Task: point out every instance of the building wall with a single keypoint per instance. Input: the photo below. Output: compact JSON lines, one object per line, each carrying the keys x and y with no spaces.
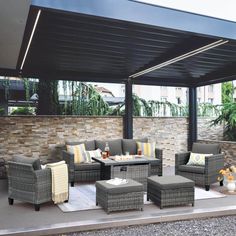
{"x":44,"y":136}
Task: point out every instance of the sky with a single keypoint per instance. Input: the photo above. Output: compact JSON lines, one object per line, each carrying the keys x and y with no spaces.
{"x":224,"y":9}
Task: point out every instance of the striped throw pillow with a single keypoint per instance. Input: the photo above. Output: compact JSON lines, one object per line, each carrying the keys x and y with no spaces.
{"x":78,"y":151}
{"x":93,"y":153}
{"x":148,"y":149}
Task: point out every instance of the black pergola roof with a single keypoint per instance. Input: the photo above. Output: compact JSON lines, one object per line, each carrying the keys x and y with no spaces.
{"x":110,"y":40}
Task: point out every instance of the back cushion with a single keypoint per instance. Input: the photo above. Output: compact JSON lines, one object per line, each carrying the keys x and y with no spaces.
{"x":89,"y":145}
{"x":35,"y":162}
{"x":114,"y":145}
{"x":129,"y":145}
{"x":206,"y":148}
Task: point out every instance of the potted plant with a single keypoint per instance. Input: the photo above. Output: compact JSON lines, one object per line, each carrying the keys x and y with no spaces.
{"x":228,"y":175}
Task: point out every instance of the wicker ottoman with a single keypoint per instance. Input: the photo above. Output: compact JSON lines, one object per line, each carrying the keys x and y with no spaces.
{"x":170,"y":190}
{"x":119,"y":197}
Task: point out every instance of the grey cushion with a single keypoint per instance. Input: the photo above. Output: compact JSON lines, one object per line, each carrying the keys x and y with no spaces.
{"x":35,"y":162}
{"x":206,"y":148}
{"x":131,"y":186}
{"x":129,"y":145}
{"x":114,"y":145}
{"x":192,"y":169}
{"x":88,"y":166}
{"x":170,"y":182}
{"x":89,"y":145}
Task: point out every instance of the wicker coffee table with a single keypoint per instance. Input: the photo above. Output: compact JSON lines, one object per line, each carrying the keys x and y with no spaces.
{"x":119,"y":197}
{"x":170,"y":190}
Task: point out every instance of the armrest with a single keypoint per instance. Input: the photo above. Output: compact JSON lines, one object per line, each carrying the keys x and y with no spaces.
{"x":42,"y":176}
{"x":214,"y":163}
{"x":181,"y":158}
{"x":69,"y":159}
{"x":159,"y":153}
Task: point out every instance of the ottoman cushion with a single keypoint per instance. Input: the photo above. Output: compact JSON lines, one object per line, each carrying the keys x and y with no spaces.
{"x":170,"y":182}
{"x":131,"y":186}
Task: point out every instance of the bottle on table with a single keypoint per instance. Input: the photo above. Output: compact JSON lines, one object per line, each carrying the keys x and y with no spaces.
{"x":107,"y":149}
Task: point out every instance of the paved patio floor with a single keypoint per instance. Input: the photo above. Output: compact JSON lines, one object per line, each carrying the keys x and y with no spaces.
{"x":21,"y":219}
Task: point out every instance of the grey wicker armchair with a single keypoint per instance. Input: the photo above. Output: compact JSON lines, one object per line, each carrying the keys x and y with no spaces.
{"x":28,"y":182}
{"x":202,"y":175}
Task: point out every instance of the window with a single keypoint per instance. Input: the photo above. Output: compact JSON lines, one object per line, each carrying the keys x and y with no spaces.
{"x":178,"y":100}
{"x":199,"y":100}
{"x":211,"y":88}
{"x":210,"y":100}
{"x":163,"y":99}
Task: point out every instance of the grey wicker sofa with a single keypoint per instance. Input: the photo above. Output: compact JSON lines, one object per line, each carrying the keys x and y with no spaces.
{"x":202,"y":175}
{"x":28,"y":182}
{"x":91,"y":171}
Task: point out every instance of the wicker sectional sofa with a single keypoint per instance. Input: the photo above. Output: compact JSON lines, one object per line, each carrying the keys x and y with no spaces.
{"x":91,"y":171}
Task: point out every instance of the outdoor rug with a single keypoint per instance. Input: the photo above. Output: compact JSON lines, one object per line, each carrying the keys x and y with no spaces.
{"x":82,"y":197}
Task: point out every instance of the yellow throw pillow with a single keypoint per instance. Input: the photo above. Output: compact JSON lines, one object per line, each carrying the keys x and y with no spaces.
{"x":78,"y":151}
{"x":148,"y":149}
{"x":197,"y":159}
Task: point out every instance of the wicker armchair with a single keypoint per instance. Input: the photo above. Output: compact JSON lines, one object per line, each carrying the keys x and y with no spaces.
{"x":28,"y":182}
{"x":202,"y":175}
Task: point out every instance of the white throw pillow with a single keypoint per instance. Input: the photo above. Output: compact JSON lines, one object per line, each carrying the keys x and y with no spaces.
{"x":93,"y":153}
{"x":197,"y":159}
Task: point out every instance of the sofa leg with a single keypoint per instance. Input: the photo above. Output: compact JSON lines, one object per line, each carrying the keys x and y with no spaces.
{"x":207,"y":187}
{"x":222,"y":182}
{"x":72,"y":184}
{"x":66,"y":201}
{"x":10,"y":201}
{"x":37,"y":207}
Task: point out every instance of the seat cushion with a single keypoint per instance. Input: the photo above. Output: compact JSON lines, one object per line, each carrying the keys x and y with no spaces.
{"x":206,"y":148}
{"x":192,"y":169}
{"x":87,"y":166}
{"x":35,"y":162}
{"x":131,"y":186}
{"x":89,"y":145}
{"x":170,"y":182}
{"x":114,"y":145}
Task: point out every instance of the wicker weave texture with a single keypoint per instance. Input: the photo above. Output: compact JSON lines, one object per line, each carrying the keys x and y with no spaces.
{"x":212,"y":166}
{"x":119,"y":202}
{"x":170,"y":197}
{"x":28,"y":185}
{"x":138,"y":173}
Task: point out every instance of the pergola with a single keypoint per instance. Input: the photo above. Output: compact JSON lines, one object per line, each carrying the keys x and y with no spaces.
{"x":123,"y":42}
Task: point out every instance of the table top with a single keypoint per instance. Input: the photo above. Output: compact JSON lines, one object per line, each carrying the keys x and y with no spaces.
{"x":137,"y":160}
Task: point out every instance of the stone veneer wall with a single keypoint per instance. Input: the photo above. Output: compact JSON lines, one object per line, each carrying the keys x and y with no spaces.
{"x":44,"y":136}
{"x":206,"y":131}
{"x":170,"y":134}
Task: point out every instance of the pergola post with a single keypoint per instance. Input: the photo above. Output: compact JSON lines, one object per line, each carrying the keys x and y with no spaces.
{"x":128,"y":118}
{"x":192,"y":134}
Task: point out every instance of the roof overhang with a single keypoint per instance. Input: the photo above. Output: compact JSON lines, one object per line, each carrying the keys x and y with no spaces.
{"x":109,"y":41}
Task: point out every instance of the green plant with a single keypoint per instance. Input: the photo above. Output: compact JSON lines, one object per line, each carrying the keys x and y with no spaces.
{"x":23,"y":111}
{"x":2,"y":111}
{"x":228,"y":118}
{"x":227,"y":92}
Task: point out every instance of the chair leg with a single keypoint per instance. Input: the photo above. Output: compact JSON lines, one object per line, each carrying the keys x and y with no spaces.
{"x":207,"y":187}
{"x":37,"y":207}
{"x":10,"y":201}
{"x":222,"y":182}
{"x":72,"y":184}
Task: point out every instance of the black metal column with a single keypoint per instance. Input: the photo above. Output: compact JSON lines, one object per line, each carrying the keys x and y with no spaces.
{"x":128,"y":118}
{"x":192,"y":135}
